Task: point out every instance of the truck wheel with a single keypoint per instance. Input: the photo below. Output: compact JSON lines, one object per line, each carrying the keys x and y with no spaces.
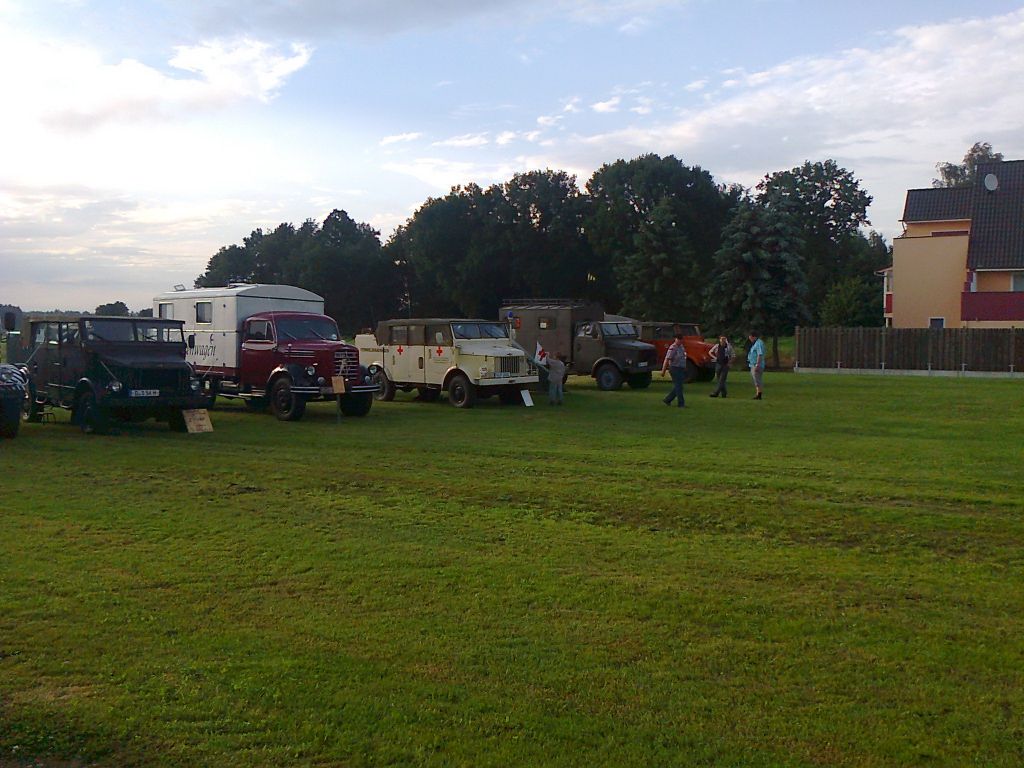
{"x":692,"y":372}
{"x":285,"y":404}
{"x":608,"y":378}
{"x":356,"y":404}
{"x":30,"y":409}
{"x":639,"y":380}
{"x":386,"y":393}
{"x":91,"y":418}
{"x":256,"y":404}
{"x":461,"y":393}
{"x":176,"y":421}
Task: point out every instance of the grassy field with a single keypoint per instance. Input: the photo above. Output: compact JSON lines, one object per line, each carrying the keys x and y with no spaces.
{"x":832,"y":576}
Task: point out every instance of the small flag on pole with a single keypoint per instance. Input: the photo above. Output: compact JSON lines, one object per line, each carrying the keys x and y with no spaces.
{"x":541,"y":354}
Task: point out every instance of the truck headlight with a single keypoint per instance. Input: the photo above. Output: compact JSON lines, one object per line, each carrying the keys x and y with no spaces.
{"x":115,"y":386}
{"x":310,"y":370}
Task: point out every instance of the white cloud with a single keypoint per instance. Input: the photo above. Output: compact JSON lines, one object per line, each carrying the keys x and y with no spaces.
{"x":505,"y":137}
{"x":644,"y":105}
{"x":399,"y":138}
{"x":611,"y":105}
{"x":466,"y":140}
{"x":635,"y":25}
{"x":696,"y":85}
{"x":889,"y":114}
{"x":547,"y":121}
{"x":71,"y":87}
{"x":442,"y":175}
{"x":572,"y":105}
{"x":245,"y":68}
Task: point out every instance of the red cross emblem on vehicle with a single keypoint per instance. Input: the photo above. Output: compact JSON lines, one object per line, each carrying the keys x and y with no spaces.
{"x":400,"y":350}
{"x":439,"y":351}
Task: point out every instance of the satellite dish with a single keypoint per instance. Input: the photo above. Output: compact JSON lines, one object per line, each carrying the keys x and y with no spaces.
{"x":991,"y":182}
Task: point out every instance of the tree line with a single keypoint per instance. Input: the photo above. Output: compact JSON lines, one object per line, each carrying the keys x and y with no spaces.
{"x":650,"y":237}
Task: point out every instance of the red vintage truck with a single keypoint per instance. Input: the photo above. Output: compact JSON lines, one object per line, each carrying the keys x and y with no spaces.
{"x":269,"y":345}
{"x":700,"y":365}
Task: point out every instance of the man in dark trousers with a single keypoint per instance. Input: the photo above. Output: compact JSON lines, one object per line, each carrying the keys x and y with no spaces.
{"x":722,"y":352}
{"x":675,"y":363}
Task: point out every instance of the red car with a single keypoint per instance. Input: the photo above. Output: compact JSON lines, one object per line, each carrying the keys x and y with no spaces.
{"x":700,"y":366}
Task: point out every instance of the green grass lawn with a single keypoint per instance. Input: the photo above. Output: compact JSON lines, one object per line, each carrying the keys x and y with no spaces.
{"x":832,"y":576}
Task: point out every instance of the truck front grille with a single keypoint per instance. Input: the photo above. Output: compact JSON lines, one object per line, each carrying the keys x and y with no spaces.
{"x":346,"y":363}
{"x":511,"y":365}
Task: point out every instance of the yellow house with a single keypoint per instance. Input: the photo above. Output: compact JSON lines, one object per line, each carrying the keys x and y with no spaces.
{"x":960,"y":260}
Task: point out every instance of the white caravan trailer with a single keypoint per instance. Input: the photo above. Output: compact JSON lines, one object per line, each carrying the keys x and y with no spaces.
{"x":268,"y":345}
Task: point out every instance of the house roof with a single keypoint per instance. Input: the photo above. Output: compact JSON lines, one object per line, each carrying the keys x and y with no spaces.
{"x":997,"y":227}
{"x":939,"y":204}
{"x":997,"y":216}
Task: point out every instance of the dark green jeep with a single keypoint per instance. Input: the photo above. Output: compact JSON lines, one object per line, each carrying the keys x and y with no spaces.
{"x":110,"y":368}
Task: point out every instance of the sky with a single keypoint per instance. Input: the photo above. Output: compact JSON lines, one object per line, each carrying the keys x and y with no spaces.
{"x":137,"y":138}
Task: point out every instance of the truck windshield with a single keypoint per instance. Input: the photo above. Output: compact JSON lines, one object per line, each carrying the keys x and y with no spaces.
{"x":295,"y":328}
{"x":480,"y":330}
{"x":134,"y":330}
{"x":618,"y":329}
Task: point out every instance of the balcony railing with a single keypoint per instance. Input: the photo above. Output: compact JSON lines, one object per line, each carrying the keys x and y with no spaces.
{"x":992,"y":305}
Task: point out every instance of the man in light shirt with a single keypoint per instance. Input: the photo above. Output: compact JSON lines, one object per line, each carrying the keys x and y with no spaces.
{"x":755,"y":358}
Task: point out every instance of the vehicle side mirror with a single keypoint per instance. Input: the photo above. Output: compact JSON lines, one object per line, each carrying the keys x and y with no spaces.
{"x":9,"y":320}
{"x":191,"y":341}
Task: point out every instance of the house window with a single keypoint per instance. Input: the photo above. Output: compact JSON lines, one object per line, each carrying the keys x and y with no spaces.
{"x":1017,"y":282}
{"x":936,"y":322}
{"x":204,"y":311}
{"x":166,"y":311}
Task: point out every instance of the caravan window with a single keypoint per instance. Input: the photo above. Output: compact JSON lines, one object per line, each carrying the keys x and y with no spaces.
{"x":204,"y":311}
{"x":166,"y":311}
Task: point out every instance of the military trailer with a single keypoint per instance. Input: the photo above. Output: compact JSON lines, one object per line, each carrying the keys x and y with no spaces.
{"x":468,"y":359}
{"x":593,"y":344}
{"x":269,"y":345}
{"x":109,"y":368}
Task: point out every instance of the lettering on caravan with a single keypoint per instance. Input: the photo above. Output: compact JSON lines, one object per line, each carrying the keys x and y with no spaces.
{"x":203,"y":351}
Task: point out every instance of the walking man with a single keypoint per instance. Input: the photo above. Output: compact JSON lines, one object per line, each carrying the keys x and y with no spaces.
{"x":675,"y":363}
{"x":755,"y":358}
{"x":722,"y":352}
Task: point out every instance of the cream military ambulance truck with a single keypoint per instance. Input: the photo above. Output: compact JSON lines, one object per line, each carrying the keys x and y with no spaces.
{"x":468,"y":359}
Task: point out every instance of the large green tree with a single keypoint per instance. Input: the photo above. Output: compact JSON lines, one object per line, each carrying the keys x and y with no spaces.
{"x":342,"y":261}
{"x":853,"y":302}
{"x":659,"y":269}
{"x":758,"y":281}
{"x":625,"y":195}
{"x":829,"y":207}
{"x":962,"y":174}
{"x":114,"y":309}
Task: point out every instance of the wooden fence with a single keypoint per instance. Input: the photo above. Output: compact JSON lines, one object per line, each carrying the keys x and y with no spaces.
{"x":911,"y":349}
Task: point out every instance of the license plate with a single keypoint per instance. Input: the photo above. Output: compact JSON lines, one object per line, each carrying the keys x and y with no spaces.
{"x":641,"y":365}
{"x":144,"y":393}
